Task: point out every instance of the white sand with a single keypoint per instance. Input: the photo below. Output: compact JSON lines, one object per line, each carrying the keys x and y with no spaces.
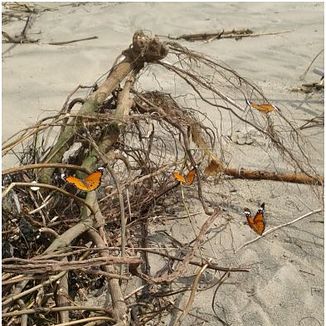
{"x":285,"y":282}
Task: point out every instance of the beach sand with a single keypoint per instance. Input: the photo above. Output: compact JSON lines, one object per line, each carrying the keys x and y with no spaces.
{"x":285,"y":284}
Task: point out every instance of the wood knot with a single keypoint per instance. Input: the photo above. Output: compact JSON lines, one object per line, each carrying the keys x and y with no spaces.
{"x":147,"y":48}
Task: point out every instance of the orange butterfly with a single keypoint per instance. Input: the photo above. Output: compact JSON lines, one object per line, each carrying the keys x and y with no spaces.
{"x":265,"y":107}
{"x":90,"y":183}
{"x":188,"y":179}
{"x":257,"y":223}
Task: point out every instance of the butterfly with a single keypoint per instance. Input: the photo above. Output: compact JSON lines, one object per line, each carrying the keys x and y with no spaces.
{"x":90,"y":183}
{"x":257,"y":223}
{"x":188,"y":179}
{"x":265,"y":107}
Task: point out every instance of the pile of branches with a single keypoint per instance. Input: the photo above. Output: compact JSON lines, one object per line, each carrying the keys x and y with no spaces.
{"x":61,"y":246}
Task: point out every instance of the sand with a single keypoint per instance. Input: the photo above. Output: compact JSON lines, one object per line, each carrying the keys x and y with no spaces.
{"x":285,"y":283}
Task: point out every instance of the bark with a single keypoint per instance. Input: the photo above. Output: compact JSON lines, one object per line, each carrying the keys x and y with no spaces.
{"x":266,"y":175}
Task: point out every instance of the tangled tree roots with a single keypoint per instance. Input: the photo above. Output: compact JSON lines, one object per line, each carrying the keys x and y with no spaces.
{"x":61,"y":245}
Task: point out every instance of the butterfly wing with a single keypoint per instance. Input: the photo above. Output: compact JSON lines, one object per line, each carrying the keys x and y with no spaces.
{"x":190,"y":177}
{"x":259,"y":221}
{"x":90,"y":183}
{"x":77,"y":182}
{"x":265,"y":107}
{"x":179,"y":177}
{"x":249,"y":218}
{"x":256,"y":223}
{"x":93,"y":180}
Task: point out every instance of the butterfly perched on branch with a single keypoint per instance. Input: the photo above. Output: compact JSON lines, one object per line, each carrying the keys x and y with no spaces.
{"x":89,"y":183}
{"x":188,"y":179}
{"x":257,"y":223}
{"x":264,"y":107}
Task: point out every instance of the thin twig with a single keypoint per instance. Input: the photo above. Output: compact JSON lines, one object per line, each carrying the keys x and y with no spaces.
{"x":44,"y":166}
{"x":192,"y":262}
{"x":220,"y":282}
{"x":39,"y":208}
{"x":302,"y":77}
{"x":110,"y":275}
{"x":53,"y":309}
{"x":73,"y":41}
{"x":191,"y":297}
{"x":134,"y":292}
{"x":236,"y":34}
{"x":85,"y":320}
{"x":187,"y":210}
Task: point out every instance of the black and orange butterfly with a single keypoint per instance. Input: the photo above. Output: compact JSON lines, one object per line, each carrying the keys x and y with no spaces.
{"x":187,"y":179}
{"x":257,"y":223}
{"x":90,"y":183}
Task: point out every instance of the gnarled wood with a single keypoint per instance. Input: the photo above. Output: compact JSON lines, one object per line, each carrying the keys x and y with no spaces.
{"x":144,"y":49}
{"x":275,"y":176}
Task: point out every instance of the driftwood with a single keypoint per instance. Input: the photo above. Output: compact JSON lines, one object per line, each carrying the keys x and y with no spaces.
{"x":28,"y":266}
{"x":310,"y":87}
{"x":120,"y":309}
{"x":140,"y":138}
{"x":143,"y":49}
{"x":274,"y":176}
{"x":236,"y":34}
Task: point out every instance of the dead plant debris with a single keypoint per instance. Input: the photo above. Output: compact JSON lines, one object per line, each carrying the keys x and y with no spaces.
{"x":61,"y":245}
